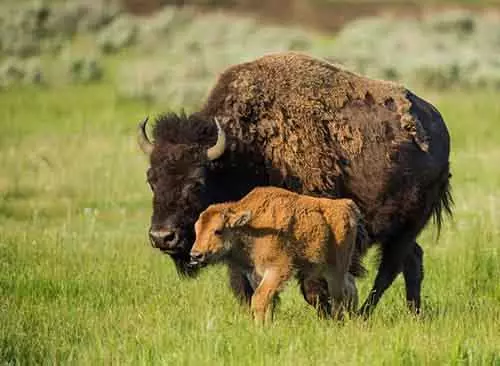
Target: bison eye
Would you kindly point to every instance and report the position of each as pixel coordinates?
(218, 232)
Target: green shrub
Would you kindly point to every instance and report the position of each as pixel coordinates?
(186, 52)
(29, 29)
(20, 71)
(84, 69)
(118, 35)
(442, 50)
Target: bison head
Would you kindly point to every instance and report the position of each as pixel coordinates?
(177, 176)
(216, 231)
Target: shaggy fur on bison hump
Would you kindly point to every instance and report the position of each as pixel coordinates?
(295, 106)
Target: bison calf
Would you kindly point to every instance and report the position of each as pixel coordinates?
(272, 234)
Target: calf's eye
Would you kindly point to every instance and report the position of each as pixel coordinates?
(218, 232)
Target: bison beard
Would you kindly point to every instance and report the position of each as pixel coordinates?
(300, 123)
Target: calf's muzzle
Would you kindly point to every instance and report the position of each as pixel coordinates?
(197, 259)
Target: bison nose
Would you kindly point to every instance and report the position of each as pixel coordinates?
(163, 239)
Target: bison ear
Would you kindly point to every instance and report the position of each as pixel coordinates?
(242, 218)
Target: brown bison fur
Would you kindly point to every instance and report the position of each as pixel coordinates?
(272, 234)
(311, 127)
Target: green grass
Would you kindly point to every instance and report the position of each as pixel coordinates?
(80, 284)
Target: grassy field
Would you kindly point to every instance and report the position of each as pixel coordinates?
(79, 283)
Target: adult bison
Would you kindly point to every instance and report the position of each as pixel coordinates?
(301, 123)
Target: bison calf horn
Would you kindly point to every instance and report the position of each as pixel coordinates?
(142, 139)
(217, 150)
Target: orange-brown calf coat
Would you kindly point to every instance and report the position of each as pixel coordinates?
(272, 234)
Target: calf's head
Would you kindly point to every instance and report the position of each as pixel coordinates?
(216, 231)
(182, 149)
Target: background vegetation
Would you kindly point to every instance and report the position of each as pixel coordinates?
(79, 282)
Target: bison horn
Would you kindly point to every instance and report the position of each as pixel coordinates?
(142, 139)
(217, 150)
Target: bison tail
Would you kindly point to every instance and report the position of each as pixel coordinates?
(445, 202)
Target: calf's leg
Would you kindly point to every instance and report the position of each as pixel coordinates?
(351, 290)
(315, 292)
(240, 286)
(262, 299)
(337, 290)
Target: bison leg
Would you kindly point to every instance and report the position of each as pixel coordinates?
(352, 297)
(413, 272)
(262, 299)
(341, 293)
(240, 285)
(394, 254)
(315, 292)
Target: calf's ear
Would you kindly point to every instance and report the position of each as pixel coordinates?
(226, 214)
(241, 218)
